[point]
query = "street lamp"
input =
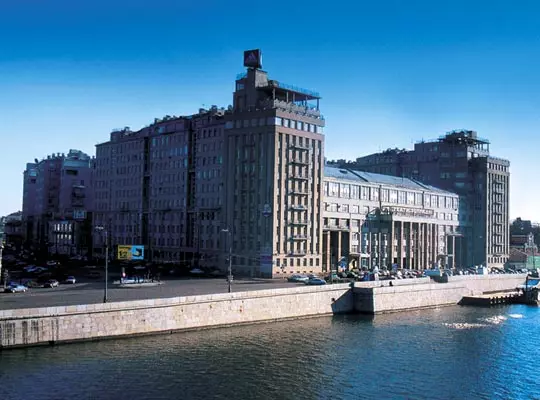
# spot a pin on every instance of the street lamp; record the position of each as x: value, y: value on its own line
x: 102, y: 230
x: 1, y: 250
x: 229, y: 274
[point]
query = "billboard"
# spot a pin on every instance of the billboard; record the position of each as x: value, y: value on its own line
x: 130, y: 252
x: 79, y: 214
x: 253, y: 58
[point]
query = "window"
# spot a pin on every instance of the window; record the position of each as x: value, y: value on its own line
x: 393, y: 196
x: 364, y: 192
x: 354, y: 192
x: 274, y: 121
x: 334, y: 189
x: 374, y: 194
x: 345, y: 190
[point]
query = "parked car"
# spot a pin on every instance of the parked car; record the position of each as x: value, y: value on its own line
x: 298, y: 278
x: 70, y: 279
x: 315, y: 281
x: 94, y: 274
x: 51, y: 283
x: 196, y: 271
x: 14, y: 288
x: 332, y: 277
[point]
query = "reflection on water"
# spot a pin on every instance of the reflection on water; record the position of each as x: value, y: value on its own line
x: 447, y: 353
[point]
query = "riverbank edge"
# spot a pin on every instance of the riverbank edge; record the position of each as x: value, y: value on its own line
x: 72, y: 324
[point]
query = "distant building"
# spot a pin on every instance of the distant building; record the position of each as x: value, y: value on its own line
x: 57, y: 199
x: 419, y: 227
x: 459, y: 162
x: 12, y: 229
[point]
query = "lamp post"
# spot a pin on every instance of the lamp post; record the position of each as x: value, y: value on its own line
x: 1, y: 250
x: 229, y: 272
x: 102, y: 230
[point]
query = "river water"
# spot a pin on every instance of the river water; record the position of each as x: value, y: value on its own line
x: 446, y: 353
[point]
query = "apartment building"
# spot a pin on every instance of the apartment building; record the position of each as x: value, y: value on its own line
x: 11, y: 232
x: 250, y: 180
x: 460, y: 162
x: 57, y: 203
x: 380, y: 220
x: 274, y: 162
x: 161, y: 187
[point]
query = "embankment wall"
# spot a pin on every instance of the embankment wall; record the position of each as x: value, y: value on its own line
x: 383, y: 298
x: 25, y: 327
x: 28, y: 327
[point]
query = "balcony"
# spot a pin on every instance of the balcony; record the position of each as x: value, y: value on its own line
x: 307, y: 110
x: 298, y: 207
x: 334, y: 227
x: 297, y: 253
x: 299, y: 237
x: 78, y: 195
x: 303, y: 177
x: 299, y: 147
x: 299, y: 222
x: 298, y: 162
x: 298, y: 193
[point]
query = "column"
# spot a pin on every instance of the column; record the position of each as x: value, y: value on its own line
x: 401, y: 254
x: 328, y: 250
x: 420, y: 262
x: 435, y: 243
x: 425, y: 246
x: 339, y: 252
x: 410, y: 261
x: 391, y: 242
x: 453, y: 252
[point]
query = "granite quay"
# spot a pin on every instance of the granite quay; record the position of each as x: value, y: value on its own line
x: 50, y: 325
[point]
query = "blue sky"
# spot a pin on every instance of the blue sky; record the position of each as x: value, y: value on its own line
x: 390, y: 73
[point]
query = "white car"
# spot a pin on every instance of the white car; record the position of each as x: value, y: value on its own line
x: 71, y: 280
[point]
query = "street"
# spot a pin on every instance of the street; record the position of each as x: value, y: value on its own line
x: 91, y: 292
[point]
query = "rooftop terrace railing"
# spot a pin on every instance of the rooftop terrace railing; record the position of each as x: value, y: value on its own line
x: 307, y: 92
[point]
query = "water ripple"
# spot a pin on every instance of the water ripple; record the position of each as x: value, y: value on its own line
x: 447, y: 353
